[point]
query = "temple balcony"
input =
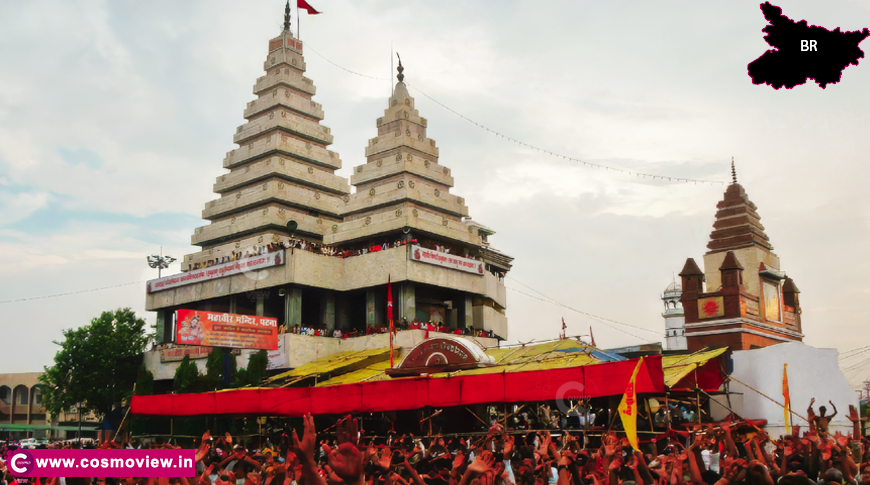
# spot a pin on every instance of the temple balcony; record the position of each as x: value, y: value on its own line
x: 299, y: 350
x: 314, y: 270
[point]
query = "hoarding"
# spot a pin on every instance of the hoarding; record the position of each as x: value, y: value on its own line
x: 446, y: 260
x: 214, y: 329
x: 253, y: 263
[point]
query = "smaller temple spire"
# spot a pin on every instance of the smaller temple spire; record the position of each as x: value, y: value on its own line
x: 733, y: 172
x: 287, y: 16
x: 400, y: 76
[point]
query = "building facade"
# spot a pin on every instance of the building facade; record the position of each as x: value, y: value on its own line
x: 742, y: 299
x: 22, y: 414
x: 288, y: 238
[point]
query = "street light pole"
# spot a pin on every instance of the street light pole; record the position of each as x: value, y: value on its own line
x: 80, y: 424
x: 160, y: 262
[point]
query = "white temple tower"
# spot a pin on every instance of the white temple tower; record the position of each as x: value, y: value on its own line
x: 675, y: 331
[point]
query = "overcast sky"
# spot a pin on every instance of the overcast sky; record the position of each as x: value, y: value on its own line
x: 115, y: 117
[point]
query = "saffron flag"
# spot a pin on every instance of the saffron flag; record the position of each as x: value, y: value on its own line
x: 628, y: 408
x: 308, y: 8
x: 390, y: 316
x: 786, y: 399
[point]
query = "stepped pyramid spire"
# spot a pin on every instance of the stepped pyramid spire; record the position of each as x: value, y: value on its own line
x: 282, y: 171
x: 737, y: 222
x: 402, y: 185
x: 738, y: 228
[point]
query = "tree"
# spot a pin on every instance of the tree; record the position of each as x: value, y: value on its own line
x: 186, y: 376
x: 97, y: 364
x: 257, y: 365
x: 144, y: 382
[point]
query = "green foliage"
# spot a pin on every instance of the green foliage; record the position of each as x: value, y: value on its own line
x: 257, y: 367
x: 144, y: 382
x: 187, y: 376
x: 97, y: 364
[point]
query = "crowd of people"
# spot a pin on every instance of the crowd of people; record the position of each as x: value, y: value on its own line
x: 733, y: 452
x: 325, y: 249
x: 441, y: 327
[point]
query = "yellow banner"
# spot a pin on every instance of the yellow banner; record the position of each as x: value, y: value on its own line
x: 628, y: 408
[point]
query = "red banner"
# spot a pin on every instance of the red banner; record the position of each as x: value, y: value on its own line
x: 212, y: 329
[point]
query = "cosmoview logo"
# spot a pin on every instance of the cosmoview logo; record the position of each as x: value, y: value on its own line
x: 21, y: 463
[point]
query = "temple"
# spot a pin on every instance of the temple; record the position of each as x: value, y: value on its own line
x: 288, y: 238
x: 748, y: 301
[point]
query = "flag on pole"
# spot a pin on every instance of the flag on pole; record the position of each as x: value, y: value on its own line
x: 786, y: 399
x: 389, y: 314
x: 308, y: 8
x: 628, y: 408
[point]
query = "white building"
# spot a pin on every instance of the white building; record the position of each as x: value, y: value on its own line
x: 675, y: 332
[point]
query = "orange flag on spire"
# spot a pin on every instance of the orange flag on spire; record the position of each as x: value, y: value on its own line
x: 786, y: 399
x: 628, y: 408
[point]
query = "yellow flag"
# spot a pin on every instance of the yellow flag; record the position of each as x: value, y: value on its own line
x: 786, y: 398
x: 628, y: 408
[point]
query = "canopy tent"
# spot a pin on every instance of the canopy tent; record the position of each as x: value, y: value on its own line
x: 357, y: 382
x: 496, y: 384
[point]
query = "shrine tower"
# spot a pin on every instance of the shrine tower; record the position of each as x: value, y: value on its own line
x: 282, y: 170
x: 287, y: 238
x: 748, y: 301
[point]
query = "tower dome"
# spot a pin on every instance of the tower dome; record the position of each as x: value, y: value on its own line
x: 675, y: 332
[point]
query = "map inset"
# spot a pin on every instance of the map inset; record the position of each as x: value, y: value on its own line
x: 800, y: 52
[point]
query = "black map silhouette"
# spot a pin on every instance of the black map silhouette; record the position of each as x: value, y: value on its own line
x: 787, y: 65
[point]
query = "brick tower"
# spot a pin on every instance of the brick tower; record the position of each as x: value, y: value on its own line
x: 749, y: 302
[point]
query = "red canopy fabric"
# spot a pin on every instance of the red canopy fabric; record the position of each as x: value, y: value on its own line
x: 606, y: 379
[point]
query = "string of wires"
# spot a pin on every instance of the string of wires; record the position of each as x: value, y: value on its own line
x: 528, y: 145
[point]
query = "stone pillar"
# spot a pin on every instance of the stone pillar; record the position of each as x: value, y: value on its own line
x: 409, y: 302
x: 371, y: 307
x: 159, y: 333
x: 232, y: 304
x: 469, y: 312
x: 342, y: 313
x: 293, y: 307
x: 261, y: 304
x: 327, y: 310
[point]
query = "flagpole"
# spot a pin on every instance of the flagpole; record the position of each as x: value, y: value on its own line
x: 390, y: 77
x: 298, y: 26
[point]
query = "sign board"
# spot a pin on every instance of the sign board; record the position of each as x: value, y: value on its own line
x: 213, y: 329
x: 217, y: 271
x: 446, y: 260
x: 711, y: 307
x: 177, y: 354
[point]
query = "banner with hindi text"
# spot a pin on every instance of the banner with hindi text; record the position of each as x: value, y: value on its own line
x: 213, y: 329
